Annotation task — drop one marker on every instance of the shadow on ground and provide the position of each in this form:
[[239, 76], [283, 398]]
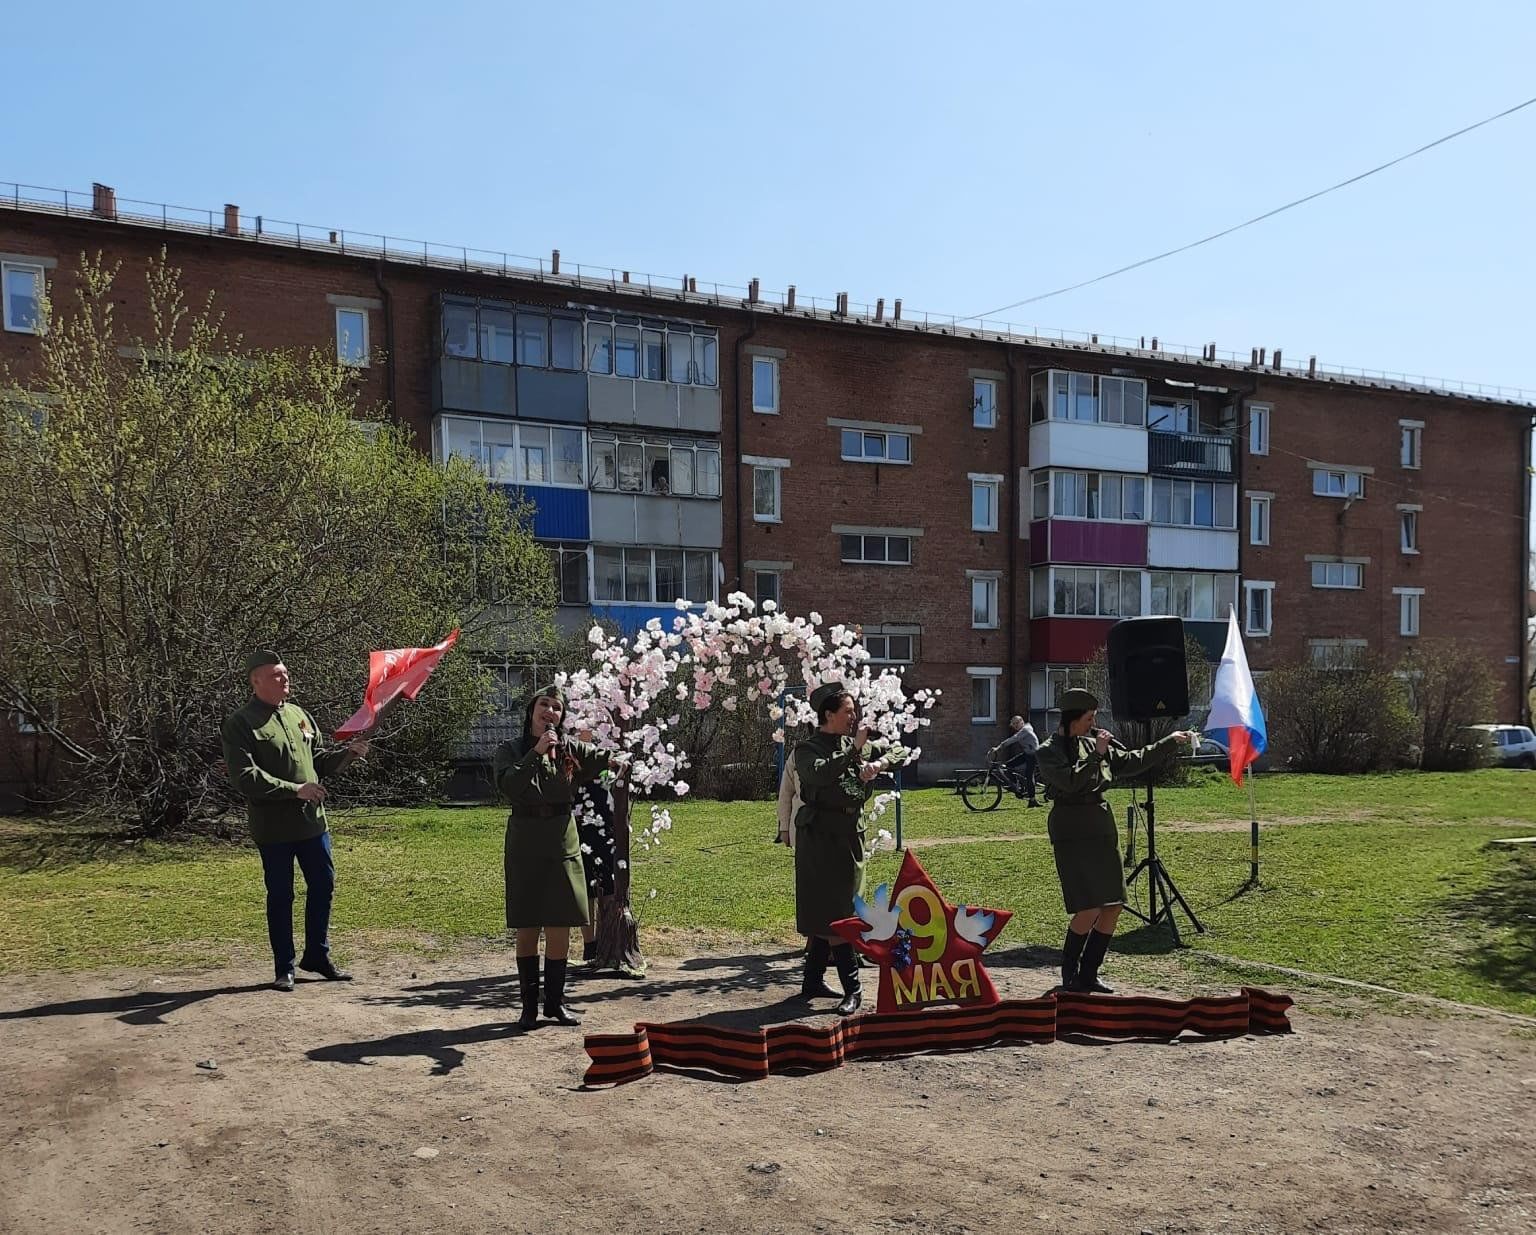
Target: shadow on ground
[[1506, 905]]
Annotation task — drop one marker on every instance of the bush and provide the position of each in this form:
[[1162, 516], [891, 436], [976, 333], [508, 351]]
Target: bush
[[1350, 719], [1449, 686]]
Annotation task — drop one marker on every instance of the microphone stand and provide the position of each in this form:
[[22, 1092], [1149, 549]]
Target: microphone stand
[[1158, 878]]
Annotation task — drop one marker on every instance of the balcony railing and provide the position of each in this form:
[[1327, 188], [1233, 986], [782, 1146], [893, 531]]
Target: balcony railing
[[1206, 456]]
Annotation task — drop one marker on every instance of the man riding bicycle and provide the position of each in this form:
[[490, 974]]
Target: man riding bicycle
[[1019, 756]]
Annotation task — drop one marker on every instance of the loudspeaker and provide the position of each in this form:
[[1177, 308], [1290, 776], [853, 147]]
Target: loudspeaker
[[1148, 679]]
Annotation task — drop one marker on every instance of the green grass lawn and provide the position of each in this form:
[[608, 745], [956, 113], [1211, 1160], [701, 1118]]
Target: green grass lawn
[[1387, 879]]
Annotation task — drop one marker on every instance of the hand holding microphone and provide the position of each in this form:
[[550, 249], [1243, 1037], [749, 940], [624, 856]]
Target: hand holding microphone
[[548, 743]]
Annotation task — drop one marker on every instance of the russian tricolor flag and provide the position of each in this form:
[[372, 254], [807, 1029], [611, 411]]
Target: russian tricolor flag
[[1235, 705]]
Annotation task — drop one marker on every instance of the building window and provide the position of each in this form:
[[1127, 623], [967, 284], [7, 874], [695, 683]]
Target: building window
[[1408, 610], [984, 603], [984, 502], [661, 468], [860, 446], [572, 572], [1258, 609], [984, 403], [1258, 520], [1194, 503], [1258, 428], [765, 587], [652, 576], [1336, 653], [1412, 442], [876, 549], [510, 453], [21, 289], [1088, 398], [1046, 686], [984, 695], [1338, 575], [1408, 529], [891, 649], [1090, 495], [1085, 591], [1194, 597], [1338, 483], [352, 337], [765, 384], [1173, 416], [765, 495]]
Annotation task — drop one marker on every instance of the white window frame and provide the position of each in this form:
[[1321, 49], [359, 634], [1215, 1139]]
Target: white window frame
[[993, 486], [1267, 588], [440, 452], [1408, 529], [1044, 577], [984, 674], [652, 550], [1409, 610], [1258, 428], [40, 290], [885, 436], [771, 407], [1343, 570], [984, 391], [1218, 578], [619, 440], [359, 361], [1411, 447], [1091, 482], [987, 587], [1155, 481], [1322, 478], [775, 475], [1260, 508], [864, 538]]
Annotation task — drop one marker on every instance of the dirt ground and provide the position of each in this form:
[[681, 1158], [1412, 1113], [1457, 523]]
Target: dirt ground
[[406, 1101]]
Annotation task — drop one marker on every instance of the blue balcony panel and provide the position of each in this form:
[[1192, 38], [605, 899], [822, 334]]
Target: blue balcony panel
[[558, 513]]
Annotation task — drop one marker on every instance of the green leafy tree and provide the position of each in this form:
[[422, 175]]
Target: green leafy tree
[[1449, 686], [1352, 716], [176, 499]]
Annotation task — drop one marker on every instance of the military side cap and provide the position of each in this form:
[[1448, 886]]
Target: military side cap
[[825, 694], [260, 658], [1077, 700]]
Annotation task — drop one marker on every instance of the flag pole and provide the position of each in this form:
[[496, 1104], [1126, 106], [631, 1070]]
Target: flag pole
[[1253, 834]]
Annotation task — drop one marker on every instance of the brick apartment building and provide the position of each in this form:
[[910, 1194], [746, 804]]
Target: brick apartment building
[[984, 505]]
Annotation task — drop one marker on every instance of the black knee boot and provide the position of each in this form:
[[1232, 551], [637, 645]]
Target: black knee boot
[[528, 980], [814, 984], [1071, 959], [848, 973], [554, 993], [1093, 957]]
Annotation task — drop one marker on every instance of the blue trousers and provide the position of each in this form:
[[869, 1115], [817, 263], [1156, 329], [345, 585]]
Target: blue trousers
[[314, 858]]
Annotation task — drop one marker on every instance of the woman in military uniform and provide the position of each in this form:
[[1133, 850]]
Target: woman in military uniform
[[538, 775], [1078, 764], [834, 777]]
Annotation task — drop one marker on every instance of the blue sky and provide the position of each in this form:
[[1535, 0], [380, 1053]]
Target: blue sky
[[960, 156]]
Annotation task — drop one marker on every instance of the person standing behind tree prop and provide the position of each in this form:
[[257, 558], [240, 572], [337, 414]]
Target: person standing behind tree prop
[[1078, 764], [546, 888], [834, 778], [271, 756]]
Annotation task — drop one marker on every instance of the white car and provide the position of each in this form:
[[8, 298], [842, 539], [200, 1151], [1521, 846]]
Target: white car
[[1510, 745]]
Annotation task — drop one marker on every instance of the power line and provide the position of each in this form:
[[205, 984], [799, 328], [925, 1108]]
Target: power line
[[1259, 218]]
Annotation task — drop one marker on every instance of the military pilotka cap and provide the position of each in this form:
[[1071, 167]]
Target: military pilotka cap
[[1077, 700], [825, 694], [261, 658]]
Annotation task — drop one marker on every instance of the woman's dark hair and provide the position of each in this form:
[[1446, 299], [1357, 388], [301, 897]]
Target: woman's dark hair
[[829, 706], [1070, 716]]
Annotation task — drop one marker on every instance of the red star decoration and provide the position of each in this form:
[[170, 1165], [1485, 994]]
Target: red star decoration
[[943, 943]]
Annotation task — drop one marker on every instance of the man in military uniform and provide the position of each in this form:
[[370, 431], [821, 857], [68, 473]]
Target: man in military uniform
[[272, 751]]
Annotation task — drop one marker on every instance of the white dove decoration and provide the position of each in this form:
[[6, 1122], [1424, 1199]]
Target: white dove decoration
[[882, 916], [972, 925]]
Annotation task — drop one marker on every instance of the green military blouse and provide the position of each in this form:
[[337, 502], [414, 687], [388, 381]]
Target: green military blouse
[[270, 753]]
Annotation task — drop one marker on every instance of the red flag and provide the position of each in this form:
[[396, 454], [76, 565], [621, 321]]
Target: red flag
[[391, 675]]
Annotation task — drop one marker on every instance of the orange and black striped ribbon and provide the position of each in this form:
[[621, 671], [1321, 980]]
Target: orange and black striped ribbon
[[799, 1047]]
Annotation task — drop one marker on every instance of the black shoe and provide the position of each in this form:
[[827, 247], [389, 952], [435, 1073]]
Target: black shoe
[[1071, 958], [847, 963], [283, 982], [813, 985], [528, 981], [554, 993], [588, 951], [1093, 956], [326, 969], [1092, 986]]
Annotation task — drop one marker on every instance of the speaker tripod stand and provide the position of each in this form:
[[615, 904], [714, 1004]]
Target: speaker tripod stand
[[1159, 881]]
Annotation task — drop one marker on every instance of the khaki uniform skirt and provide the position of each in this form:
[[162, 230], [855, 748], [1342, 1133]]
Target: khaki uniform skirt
[[1087, 847], [545, 882]]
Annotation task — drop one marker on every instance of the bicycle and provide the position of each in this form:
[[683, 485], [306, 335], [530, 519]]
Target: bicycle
[[983, 791]]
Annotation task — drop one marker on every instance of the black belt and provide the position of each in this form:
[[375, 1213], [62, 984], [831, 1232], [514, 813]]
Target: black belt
[[852, 812], [543, 812]]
